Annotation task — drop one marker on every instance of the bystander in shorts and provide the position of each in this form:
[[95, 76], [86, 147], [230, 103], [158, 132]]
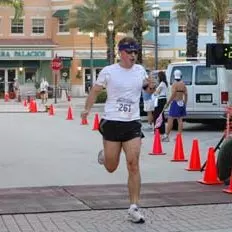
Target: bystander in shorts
[[177, 109]]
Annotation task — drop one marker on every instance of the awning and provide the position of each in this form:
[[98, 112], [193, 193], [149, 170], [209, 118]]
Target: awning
[[61, 13], [17, 63], [96, 63], [66, 61], [164, 15]]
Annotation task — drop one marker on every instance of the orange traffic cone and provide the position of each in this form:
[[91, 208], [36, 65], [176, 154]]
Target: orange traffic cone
[[51, 110], [229, 189], [195, 162], [84, 121], [210, 175], [25, 102], [69, 115], [157, 147], [96, 122], [6, 97], [179, 150], [33, 106]]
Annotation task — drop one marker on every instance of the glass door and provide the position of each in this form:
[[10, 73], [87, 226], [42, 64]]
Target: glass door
[[11, 75], [2, 82]]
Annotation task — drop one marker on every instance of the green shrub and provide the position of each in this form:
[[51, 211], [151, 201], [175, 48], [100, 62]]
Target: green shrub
[[101, 98]]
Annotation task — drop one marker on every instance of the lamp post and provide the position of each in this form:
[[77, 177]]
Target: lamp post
[[111, 29], [155, 14], [91, 35]]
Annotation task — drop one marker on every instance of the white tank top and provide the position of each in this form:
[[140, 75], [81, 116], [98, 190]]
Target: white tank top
[[123, 88]]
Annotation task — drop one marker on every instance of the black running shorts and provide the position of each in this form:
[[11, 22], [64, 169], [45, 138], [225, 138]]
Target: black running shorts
[[118, 131]]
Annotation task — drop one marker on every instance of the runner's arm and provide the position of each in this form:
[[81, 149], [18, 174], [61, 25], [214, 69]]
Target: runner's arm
[[148, 85], [185, 96], [171, 97], [95, 90]]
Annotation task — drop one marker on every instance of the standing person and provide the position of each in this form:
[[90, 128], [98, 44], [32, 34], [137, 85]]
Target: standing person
[[148, 105], [178, 101], [161, 96], [44, 90], [120, 125], [16, 89]]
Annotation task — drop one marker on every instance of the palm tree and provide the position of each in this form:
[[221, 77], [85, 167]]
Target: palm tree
[[17, 4], [217, 10], [139, 24], [190, 10], [194, 10], [94, 15]]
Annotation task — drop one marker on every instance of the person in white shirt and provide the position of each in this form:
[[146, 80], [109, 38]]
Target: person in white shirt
[[16, 89], [44, 90], [120, 125], [161, 99]]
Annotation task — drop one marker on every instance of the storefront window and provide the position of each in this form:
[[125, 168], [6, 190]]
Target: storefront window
[[30, 74], [63, 25], [65, 74], [97, 72], [17, 26]]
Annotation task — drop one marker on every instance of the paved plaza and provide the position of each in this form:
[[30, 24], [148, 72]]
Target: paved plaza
[[39, 151]]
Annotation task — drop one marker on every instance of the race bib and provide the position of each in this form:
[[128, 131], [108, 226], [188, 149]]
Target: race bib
[[125, 108], [180, 103]]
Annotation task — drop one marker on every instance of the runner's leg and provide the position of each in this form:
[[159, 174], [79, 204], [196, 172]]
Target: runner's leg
[[112, 152], [132, 152]]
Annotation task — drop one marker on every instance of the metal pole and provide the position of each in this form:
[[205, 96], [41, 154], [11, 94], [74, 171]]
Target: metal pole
[[156, 43], [91, 62], [55, 96], [111, 48]]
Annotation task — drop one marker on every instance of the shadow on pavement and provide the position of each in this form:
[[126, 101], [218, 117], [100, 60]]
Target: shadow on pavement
[[101, 197]]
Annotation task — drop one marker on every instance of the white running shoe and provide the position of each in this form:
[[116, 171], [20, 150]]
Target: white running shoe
[[135, 216], [101, 157], [165, 138]]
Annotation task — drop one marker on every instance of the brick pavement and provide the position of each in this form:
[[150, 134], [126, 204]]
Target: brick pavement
[[208, 218]]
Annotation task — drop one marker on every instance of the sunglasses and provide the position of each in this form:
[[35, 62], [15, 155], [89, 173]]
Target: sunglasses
[[131, 51]]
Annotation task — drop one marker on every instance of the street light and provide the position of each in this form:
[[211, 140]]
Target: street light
[[155, 14], [111, 29], [91, 35]]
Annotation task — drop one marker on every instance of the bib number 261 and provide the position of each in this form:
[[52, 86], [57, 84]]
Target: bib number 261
[[124, 107]]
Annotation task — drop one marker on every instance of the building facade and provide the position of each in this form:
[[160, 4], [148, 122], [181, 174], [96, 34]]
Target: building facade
[[172, 33], [27, 46]]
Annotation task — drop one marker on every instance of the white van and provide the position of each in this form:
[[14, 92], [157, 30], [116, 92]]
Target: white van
[[209, 90]]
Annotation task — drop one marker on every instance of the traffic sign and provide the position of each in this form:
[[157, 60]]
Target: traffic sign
[[56, 64]]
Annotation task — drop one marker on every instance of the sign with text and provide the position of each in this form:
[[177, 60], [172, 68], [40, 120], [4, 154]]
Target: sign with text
[[219, 55], [22, 54]]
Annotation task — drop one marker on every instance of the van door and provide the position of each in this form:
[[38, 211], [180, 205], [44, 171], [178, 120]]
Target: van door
[[187, 77], [206, 89]]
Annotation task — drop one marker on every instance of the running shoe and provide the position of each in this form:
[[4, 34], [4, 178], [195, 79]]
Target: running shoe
[[135, 216], [101, 157], [165, 138]]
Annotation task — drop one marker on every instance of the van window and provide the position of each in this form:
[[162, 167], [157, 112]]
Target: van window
[[206, 76], [187, 73]]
